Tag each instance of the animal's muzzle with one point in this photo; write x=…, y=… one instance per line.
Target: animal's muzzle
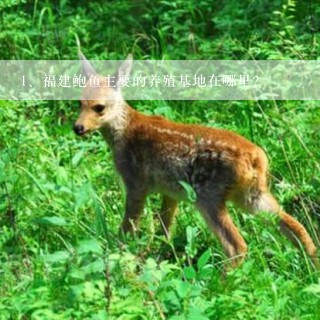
x=79, y=129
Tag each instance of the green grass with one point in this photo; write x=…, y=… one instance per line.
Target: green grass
x=62, y=205
x=61, y=201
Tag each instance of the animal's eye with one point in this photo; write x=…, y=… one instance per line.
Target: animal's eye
x=98, y=108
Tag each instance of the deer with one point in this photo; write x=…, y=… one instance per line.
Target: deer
x=154, y=155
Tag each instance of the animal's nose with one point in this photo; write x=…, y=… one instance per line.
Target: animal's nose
x=78, y=129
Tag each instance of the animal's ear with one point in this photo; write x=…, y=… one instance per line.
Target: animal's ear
x=87, y=68
x=124, y=70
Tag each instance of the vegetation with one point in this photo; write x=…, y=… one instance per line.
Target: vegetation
x=61, y=201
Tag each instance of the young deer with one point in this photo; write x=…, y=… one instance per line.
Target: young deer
x=153, y=154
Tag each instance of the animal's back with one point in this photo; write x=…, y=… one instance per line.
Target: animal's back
x=164, y=153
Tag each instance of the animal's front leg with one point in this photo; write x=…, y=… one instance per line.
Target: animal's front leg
x=134, y=207
x=168, y=210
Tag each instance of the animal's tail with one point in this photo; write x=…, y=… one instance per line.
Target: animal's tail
x=294, y=230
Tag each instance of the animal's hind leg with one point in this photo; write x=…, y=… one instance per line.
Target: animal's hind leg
x=293, y=229
x=224, y=228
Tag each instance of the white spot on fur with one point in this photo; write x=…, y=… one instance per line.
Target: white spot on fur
x=172, y=132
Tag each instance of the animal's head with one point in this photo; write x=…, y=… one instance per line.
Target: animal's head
x=100, y=105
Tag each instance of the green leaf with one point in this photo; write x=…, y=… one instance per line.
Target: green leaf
x=51, y=221
x=204, y=259
x=94, y=267
x=183, y=288
x=100, y=315
x=83, y=195
x=77, y=157
x=313, y=288
x=189, y=273
x=180, y=317
x=57, y=256
x=195, y=313
x=170, y=299
x=90, y=245
x=191, y=194
x=205, y=273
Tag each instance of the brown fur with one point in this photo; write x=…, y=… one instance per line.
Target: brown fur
x=153, y=154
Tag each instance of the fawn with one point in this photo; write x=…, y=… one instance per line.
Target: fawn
x=153, y=154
